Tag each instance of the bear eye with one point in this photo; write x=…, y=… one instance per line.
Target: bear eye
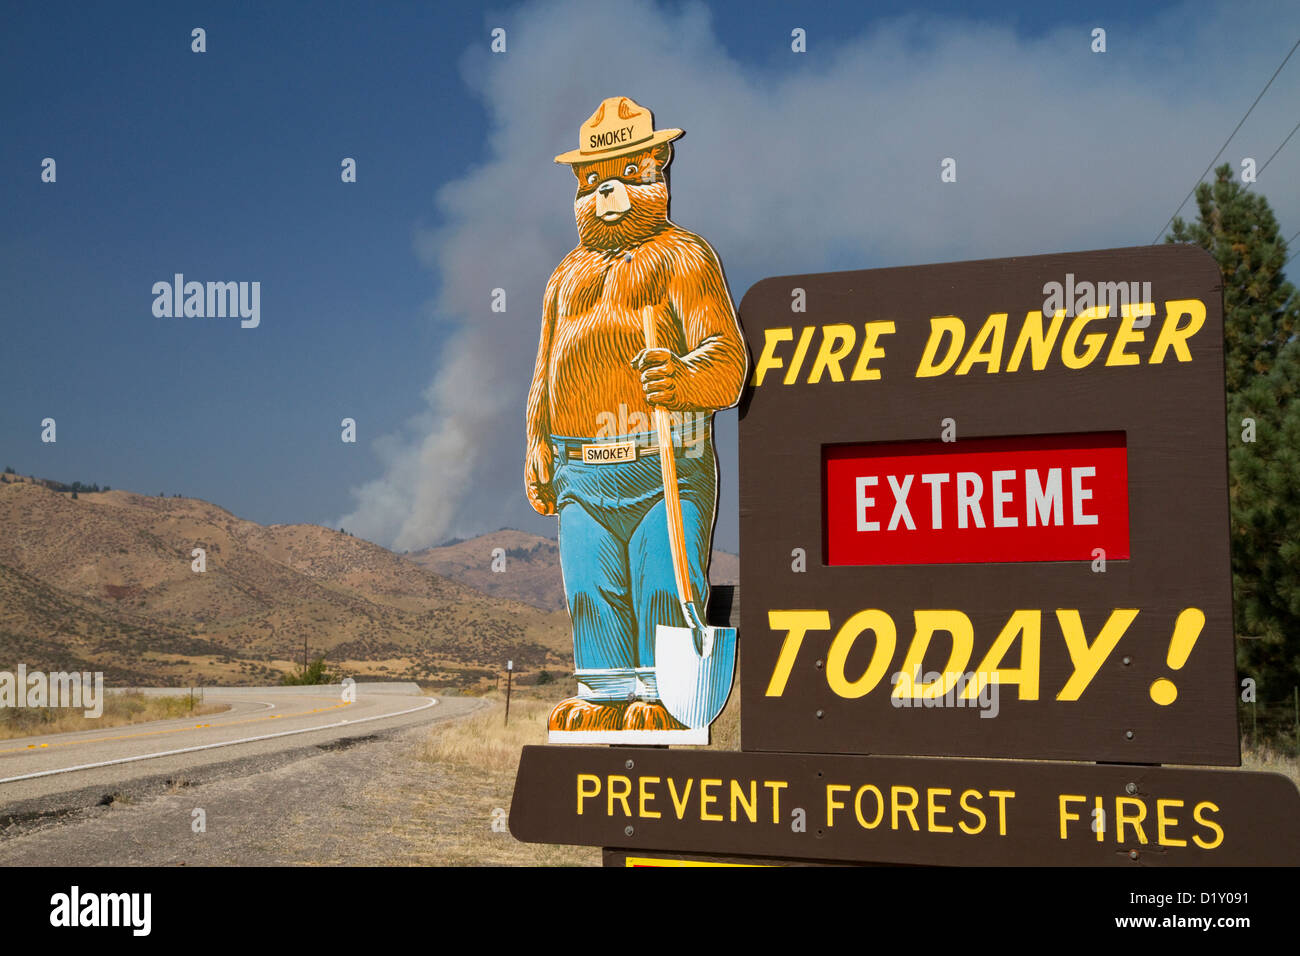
x=631, y=169
x=591, y=179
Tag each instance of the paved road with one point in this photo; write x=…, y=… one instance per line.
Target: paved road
x=40, y=775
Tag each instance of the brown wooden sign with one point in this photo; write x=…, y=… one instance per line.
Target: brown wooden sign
x=903, y=810
x=984, y=512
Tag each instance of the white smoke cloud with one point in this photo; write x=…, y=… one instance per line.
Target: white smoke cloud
x=813, y=162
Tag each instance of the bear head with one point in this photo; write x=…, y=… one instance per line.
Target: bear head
x=622, y=200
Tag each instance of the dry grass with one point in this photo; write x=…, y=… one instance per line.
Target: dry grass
x=484, y=742
x=131, y=707
x=474, y=761
x=724, y=734
x=1271, y=761
x=478, y=756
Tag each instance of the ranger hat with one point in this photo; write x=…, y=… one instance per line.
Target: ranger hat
x=619, y=126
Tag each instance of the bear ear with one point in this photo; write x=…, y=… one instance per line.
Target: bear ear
x=663, y=154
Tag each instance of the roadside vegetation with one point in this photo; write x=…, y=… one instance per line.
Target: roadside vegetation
x=120, y=708
x=472, y=764
x=313, y=673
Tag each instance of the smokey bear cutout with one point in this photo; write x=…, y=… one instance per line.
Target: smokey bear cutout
x=592, y=453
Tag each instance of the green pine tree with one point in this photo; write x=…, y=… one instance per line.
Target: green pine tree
x=1262, y=376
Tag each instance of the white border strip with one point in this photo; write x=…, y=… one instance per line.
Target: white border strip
x=646, y=737
x=224, y=743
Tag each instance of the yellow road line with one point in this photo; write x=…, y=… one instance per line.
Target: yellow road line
x=29, y=748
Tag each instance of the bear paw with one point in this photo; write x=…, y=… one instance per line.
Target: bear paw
x=575, y=713
x=649, y=715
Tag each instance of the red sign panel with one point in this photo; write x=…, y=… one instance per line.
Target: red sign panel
x=982, y=500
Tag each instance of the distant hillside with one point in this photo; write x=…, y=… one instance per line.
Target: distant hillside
x=104, y=581
x=532, y=567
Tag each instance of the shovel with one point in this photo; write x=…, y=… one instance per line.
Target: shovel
x=693, y=664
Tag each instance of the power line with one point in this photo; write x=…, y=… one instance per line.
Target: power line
x=1225, y=144
x=1275, y=152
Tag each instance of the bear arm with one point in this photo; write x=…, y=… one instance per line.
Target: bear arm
x=537, y=420
x=716, y=362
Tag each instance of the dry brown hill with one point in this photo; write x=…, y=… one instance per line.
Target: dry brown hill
x=105, y=582
x=532, y=567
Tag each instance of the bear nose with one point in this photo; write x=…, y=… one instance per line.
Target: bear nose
x=606, y=190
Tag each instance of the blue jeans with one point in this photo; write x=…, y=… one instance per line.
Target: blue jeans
x=617, y=564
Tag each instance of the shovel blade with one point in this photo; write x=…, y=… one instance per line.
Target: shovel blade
x=694, y=688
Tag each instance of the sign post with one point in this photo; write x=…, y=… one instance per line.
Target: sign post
x=510, y=670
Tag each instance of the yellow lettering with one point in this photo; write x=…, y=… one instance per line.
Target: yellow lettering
x=800, y=352
x=861, y=372
x=750, y=806
x=1127, y=335
x=1163, y=821
x=1065, y=815
x=1025, y=677
x=776, y=787
x=857, y=806
x=837, y=342
x=707, y=798
x=583, y=793
x=941, y=325
x=933, y=811
x=882, y=625
x=621, y=796
x=1087, y=659
x=896, y=807
x=987, y=347
x=1002, y=796
x=680, y=806
x=1122, y=818
x=969, y=809
x=768, y=362
x=1196, y=815
x=795, y=624
x=963, y=641
x=1171, y=336
x=646, y=798
x=831, y=803
x=1092, y=343
x=1039, y=342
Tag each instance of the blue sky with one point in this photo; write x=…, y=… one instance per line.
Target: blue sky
x=374, y=305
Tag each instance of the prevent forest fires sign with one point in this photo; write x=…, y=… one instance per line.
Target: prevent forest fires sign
x=980, y=519
x=904, y=810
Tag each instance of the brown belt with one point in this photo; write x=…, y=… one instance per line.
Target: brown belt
x=573, y=449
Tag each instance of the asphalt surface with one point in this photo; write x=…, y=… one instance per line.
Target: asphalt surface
x=47, y=776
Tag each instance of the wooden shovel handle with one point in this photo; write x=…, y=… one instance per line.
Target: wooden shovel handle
x=668, y=464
